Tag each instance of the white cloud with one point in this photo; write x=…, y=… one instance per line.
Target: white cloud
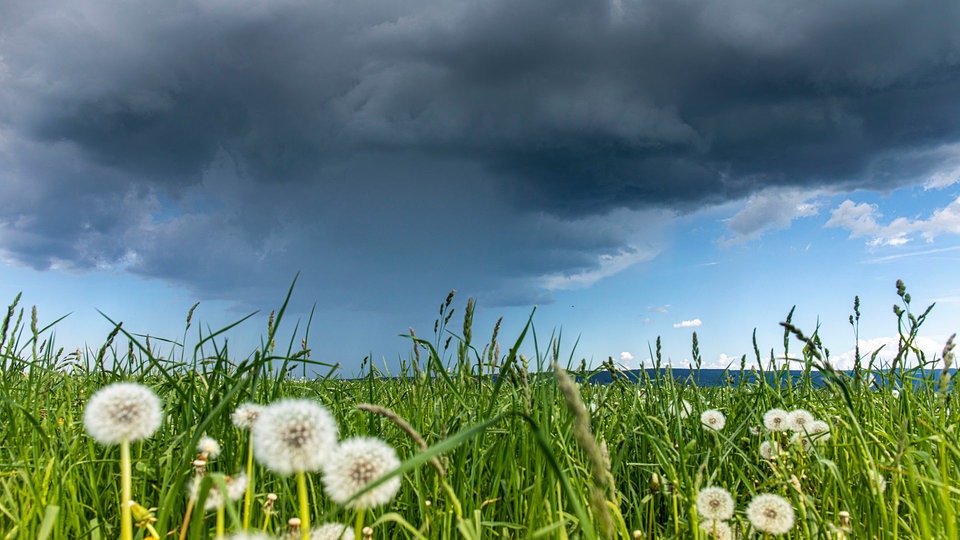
x=773, y=208
x=693, y=323
x=932, y=348
x=625, y=356
x=660, y=309
x=862, y=222
x=607, y=265
x=948, y=173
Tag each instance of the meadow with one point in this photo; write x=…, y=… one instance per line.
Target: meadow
x=489, y=443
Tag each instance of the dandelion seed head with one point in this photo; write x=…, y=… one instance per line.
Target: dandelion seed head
x=819, y=431
x=122, y=411
x=245, y=415
x=355, y=464
x=294, y=435
x=801, y=441
x=209, y=447
x=215, y=499
x=248, y=536
x=769, y=513
x=775, y=420
x=681, y=409
x=332, y=531
x=236, y=486
x=769, y=449
x=878, y=484
x=715, y=503
x=798, y=420
x=716, y=529
x=713, y=419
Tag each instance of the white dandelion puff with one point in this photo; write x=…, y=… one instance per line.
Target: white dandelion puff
x=713, y=419
x=716, y=529
x=236, y=486
x=294, y=435
x=248, y=536
x=354, y=465
x=769, y=513
x=681, y=409
x=215, y=499
x=769, y=449
x=775, y=420
x=799, y=420
x=332, y=531
x=802, y=441
x=245, y=415
x=208, y=447
x=122, y=412
x=819, y=431
x=715, y=503
x=878, y=484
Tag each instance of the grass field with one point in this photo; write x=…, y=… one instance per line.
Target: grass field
x=492, y=444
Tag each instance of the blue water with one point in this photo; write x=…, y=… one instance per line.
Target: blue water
x=721, y=377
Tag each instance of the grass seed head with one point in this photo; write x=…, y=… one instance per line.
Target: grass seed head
x=122, y=411
x=356, y=463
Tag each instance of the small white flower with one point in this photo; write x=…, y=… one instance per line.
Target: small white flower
x=895, y=393
x=208, y=447
x=245, y=415
x=294, y=435
x=122, y=411
x=713, y=419
x=354, y=465
x=769, y=513
x=798, y=420
x=332, y=531
x=775, y=420
x=715, y=503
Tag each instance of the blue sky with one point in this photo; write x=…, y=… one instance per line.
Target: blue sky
x=632, y=169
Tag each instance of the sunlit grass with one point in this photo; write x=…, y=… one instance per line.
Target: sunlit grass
x=493, y=444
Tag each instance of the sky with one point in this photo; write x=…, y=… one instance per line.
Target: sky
x=629, y=169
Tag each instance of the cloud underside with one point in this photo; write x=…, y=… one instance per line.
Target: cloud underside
x=542, y=145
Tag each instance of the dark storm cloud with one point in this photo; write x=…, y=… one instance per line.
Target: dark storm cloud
x=221, y=143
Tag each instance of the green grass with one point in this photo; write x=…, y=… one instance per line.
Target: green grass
x=500, y=429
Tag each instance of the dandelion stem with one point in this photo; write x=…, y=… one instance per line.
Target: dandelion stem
x=358, y=526
x=126, y=515
x=248, y=495
x=304, y=505
x=220, y=521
